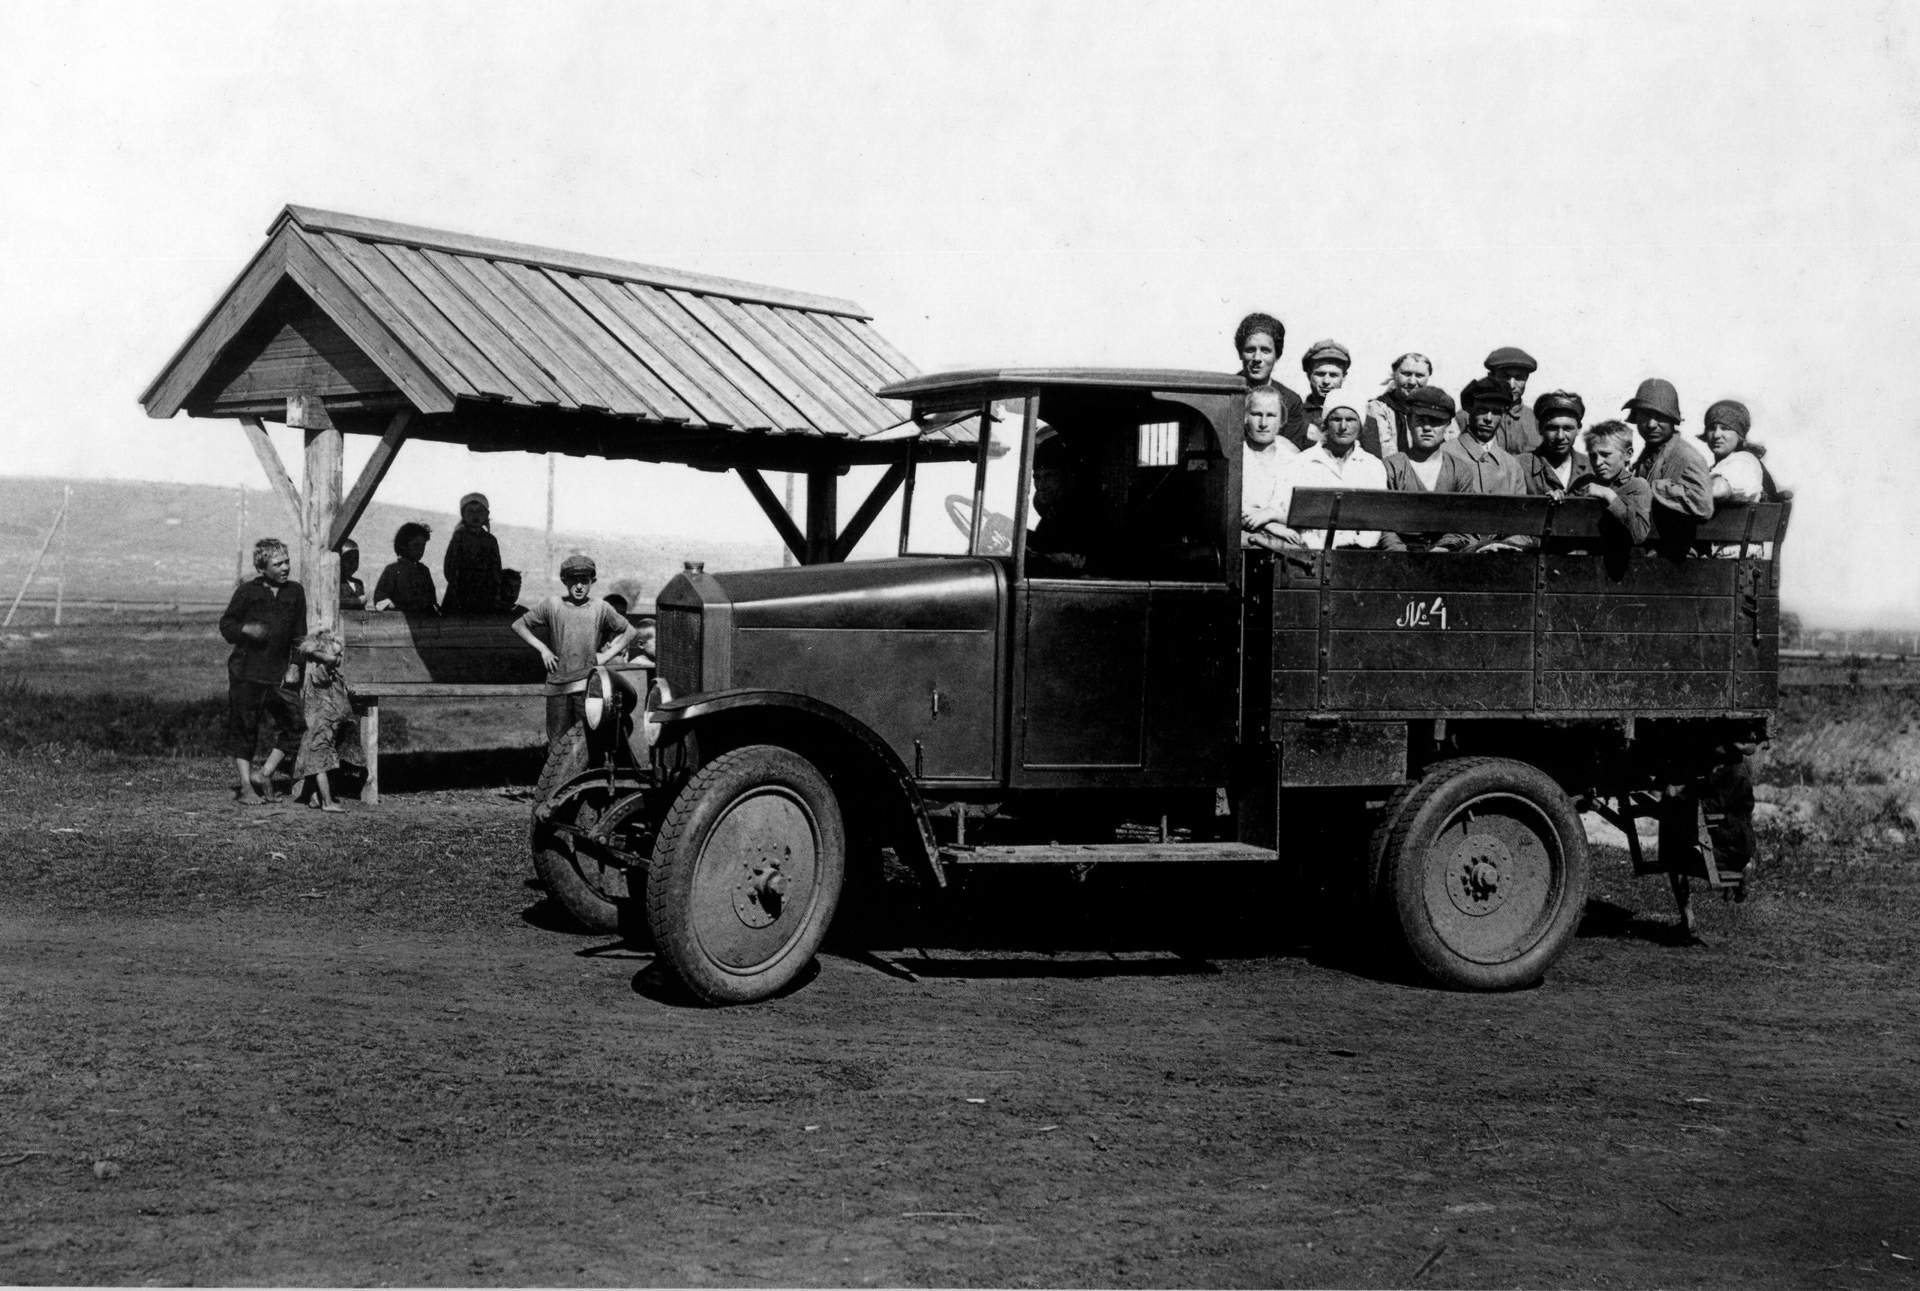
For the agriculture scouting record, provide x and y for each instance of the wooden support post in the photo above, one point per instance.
(276, 472)
(375, 471)
(370, 745)
(823, 488)
(782, 522)
(319, 563)
(869, 511)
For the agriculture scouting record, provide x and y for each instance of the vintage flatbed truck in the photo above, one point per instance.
(1426, 723)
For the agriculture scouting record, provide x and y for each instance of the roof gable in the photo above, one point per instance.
(366, 311)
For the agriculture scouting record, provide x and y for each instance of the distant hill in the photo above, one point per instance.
(134, 540)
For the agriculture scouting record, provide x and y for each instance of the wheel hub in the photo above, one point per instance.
(1474, 871)
(760, 890)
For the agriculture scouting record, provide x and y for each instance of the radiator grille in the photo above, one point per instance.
(677, 647)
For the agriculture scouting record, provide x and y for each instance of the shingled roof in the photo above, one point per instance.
(525, 341)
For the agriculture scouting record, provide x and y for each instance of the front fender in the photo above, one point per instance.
(679, 717)
(625, 780)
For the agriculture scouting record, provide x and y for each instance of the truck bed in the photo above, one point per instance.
(1367, 633)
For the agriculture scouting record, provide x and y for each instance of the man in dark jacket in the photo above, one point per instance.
(1555, 463)
(1508, 368)
(264, 618)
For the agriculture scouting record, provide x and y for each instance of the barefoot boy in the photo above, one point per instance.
(583, 630)
(261, 621)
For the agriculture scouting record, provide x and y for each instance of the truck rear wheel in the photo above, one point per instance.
(1485, 873)
(746, 874)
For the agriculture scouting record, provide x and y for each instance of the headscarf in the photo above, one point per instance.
(1730, 413)
(1352, 400)
(481, 498)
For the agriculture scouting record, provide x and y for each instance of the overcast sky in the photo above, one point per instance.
(1718, 193)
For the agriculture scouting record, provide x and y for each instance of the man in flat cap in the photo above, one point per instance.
(1508, 368)
(580, 630)
(1555, 463)
(1326, 364)
(1682, 484)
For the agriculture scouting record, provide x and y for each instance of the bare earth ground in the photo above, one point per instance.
(281, 1047)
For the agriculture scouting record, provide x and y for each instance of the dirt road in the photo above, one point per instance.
(272, 1047)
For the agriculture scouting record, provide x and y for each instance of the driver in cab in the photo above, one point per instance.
(1068, 540)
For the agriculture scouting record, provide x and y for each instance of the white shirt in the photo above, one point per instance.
(1316, 468)
(1266, 477)
(1741, 471)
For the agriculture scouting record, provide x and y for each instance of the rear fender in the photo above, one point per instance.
(700, 727)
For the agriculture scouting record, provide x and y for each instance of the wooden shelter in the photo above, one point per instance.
(344, 325)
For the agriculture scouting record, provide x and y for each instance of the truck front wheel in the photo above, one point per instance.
(746, 874)
(1485, 873)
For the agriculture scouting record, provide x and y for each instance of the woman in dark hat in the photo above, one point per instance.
(1258, 341)
(1738, 474)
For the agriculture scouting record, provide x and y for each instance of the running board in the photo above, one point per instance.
(1106, 853)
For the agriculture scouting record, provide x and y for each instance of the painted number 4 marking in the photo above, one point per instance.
(1424, 614)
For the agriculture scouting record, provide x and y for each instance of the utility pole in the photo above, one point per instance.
(786, 552)
(240, 538)
(65, 497)
(551, 566)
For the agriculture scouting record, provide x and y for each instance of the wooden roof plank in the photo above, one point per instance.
(454, 300)
(695, 368)
(677, 311)
(656, 400)
(428, 381)
(859, 330)
(525, 321)
(697, 385)
(862, 369)
(571, 261)
(781, 369)
(233, 311)
(534, 353)
(821, 377)
(387, 285)
(858, 360)
(849, 388)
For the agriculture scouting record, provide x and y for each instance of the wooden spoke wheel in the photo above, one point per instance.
(746, 874)
(1485, 871)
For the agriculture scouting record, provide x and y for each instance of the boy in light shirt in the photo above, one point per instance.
(582, 630)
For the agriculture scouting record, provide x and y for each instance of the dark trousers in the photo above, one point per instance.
(250, 701)
(564, 712)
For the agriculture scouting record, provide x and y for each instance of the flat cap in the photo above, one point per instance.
(1325, 352)
(1560, 403)
(1485, 392)
(1430, 400)
(578, 566)
(1511, 356)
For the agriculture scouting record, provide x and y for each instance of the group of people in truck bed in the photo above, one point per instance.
(1411, 436)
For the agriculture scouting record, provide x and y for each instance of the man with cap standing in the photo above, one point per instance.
(1682, 485)
(1326, 364)
(1475, 461)
(1508, 369)
(1555, 463)
(581, 630)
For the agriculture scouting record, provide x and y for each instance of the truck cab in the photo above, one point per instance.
(1073, 658)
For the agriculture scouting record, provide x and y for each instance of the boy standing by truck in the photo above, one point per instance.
(583, 631)
(262, 620)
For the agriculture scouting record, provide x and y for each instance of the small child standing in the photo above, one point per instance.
(333, 733)
(472, 562)
(584, 631)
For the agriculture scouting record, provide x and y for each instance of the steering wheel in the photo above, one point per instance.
(996, 535)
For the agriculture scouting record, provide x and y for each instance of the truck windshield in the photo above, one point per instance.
(940, 519)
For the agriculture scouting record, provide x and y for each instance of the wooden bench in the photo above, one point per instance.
(425, 656)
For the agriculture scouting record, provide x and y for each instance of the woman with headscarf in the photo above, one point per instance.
(1388, 412)
(1738, 475)
(472, 562)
